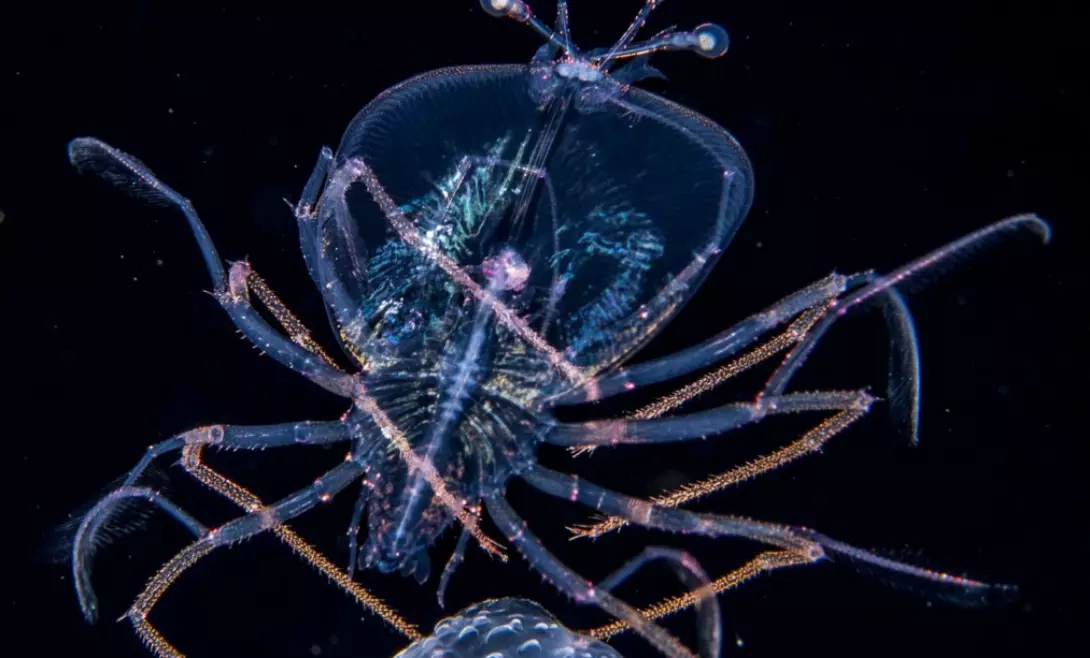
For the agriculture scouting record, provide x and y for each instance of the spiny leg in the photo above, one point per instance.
(862, 287)
(779, 380)
(762, 563)
(138, 613)
(229, 291)
(795, 332)
(904, 358)
(722, 374)
(221, 436)
(570, 583)
(232, 293)
(808, 443)
(255, 521)
(699, 424)
(802, 540)
(693, 577)
(904, 371)
(723, 345)
(249, 502)
(295, 328)
(300, 335)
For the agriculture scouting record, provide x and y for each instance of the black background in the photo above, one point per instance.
(877, 130)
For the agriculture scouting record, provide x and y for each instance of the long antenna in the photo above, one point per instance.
(520, 11)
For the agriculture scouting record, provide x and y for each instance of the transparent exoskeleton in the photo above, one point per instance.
(491, 243)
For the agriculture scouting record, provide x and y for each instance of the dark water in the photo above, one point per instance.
(877, 132)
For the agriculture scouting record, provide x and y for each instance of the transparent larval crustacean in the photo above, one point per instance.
(491, 243)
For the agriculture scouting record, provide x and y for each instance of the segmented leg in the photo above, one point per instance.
(297, 331)
(718, 420)
(810, 442)
(879, 286)
(221, 436)
(301, 336)
(718, 348)
(800, 540)
(809, 328)
(571, 583)
(138, 612)
(692, 576)
(230, 291)
(765, 562)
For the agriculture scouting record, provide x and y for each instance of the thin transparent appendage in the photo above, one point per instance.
(801, 540)
(221, 436)
(722, 374)
(84, 543)
(633, 29)
(904, 371)
(304, 212)
(779, 380)
(521, 12)
(294, 327)
(257, 519)
(321, 490)
(692, 575)
(718, 420)
(135, 177)
(232, 293)
(708, 40)
(720, 347)
(138, 613)
(763, 563)
(904, 366)
(840, 293)
(571, 583)
(562, 28)
(807, 444)
(904, 394)
(452, 564)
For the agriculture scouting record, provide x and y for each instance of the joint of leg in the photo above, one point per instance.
(590, 595)
(207, 435)
(237, 289)
(814, 552)
(862, 402)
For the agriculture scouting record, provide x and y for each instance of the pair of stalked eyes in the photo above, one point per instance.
(708, 40)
